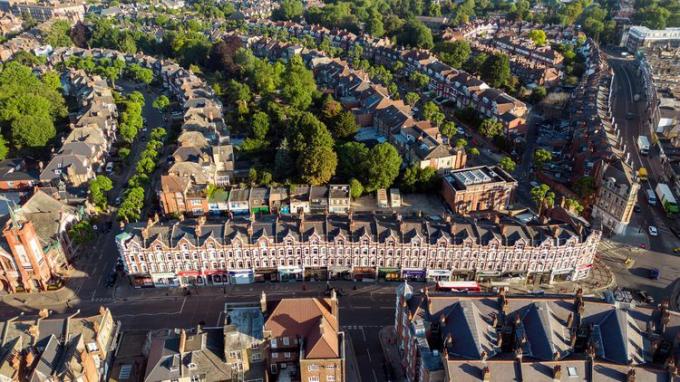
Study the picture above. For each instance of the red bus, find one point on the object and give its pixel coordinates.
(458, 286)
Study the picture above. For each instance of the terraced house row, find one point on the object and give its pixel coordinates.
(533, 338)
(392, 247)
(456, 85)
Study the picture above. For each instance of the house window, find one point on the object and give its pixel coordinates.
(274, 344)
(330, 378)
(286, 341)
(314, 379)
(313, 367)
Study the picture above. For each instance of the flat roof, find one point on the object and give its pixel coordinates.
(463, 178)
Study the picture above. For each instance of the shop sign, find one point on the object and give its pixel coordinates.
(439, 272)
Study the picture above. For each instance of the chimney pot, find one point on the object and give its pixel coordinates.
(182, 341)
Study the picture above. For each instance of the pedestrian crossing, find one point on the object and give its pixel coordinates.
(360, 327)
(101, 299)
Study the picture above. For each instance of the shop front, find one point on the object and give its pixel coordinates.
(190, 278)
(241, 276)
(340, 273)
(164, 280)
(582, 271)
(290, 273)
(216, 277)
(413, 274)
(561, 275)
(266, 274)
(462, 275)
(389, 274)
(438, 275)
(363, 273)
(488, 276)
(316, 273)
(142, 281)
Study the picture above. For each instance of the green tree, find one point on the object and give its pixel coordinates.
(4, 149)
(131, 207)
(412, 98)
(289, 10)
(161, 102)
(352, 157)
(430, 109)
(448, 129)
(98, 188)
(538, 36)
(585, 187)
(58, 34)
(415, 34)
(375, 26)
(461, 143)
(382, 167)
(454, 53)
(32, 131)
(298, 85)
(538, 94)
(573, 205)
(491, 128)
(507, 164)
(421, 80)
(81, 232)
(355, 188)
(317, 164)
(345, 125)
(496, 70)
(260, 125)
(474, 152)
(541, 157)
(543, 197)
(330, 109)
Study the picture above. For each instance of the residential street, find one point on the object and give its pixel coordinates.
(633, 122)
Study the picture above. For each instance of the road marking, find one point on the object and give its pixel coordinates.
(368, 353)
(363, 333)
(361, 307)
(219, 319)
(156, 314)
(375, 377)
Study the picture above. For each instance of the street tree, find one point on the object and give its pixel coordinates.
(161, 103)
(317, 164)
(543, 197)
(491, 128)
(98, 188)
(412, 98)
(573, 205)
(507, 164)
(448, 129)
(541, 157)
(461, 143)
(496, 70)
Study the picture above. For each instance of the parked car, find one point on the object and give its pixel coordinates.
(653, 231)
(109, 167)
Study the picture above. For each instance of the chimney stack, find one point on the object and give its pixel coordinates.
(335, 310)
(263, 303)
(486, 374)
(570, 320)
(557, 373)
(44, 313)
(182, 341)
(630, 377)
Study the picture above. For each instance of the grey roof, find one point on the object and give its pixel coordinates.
(470, 332)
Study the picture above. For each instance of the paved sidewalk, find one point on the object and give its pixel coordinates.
(388, 341)
(600, 279)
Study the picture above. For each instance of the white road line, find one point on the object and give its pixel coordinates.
(368, 353)
(219, 319)
(156, 314)
(363, 333)
(362, 307)
(375, 377)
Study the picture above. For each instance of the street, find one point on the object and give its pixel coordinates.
(632, 120)
(91, 268)
(362, 312)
